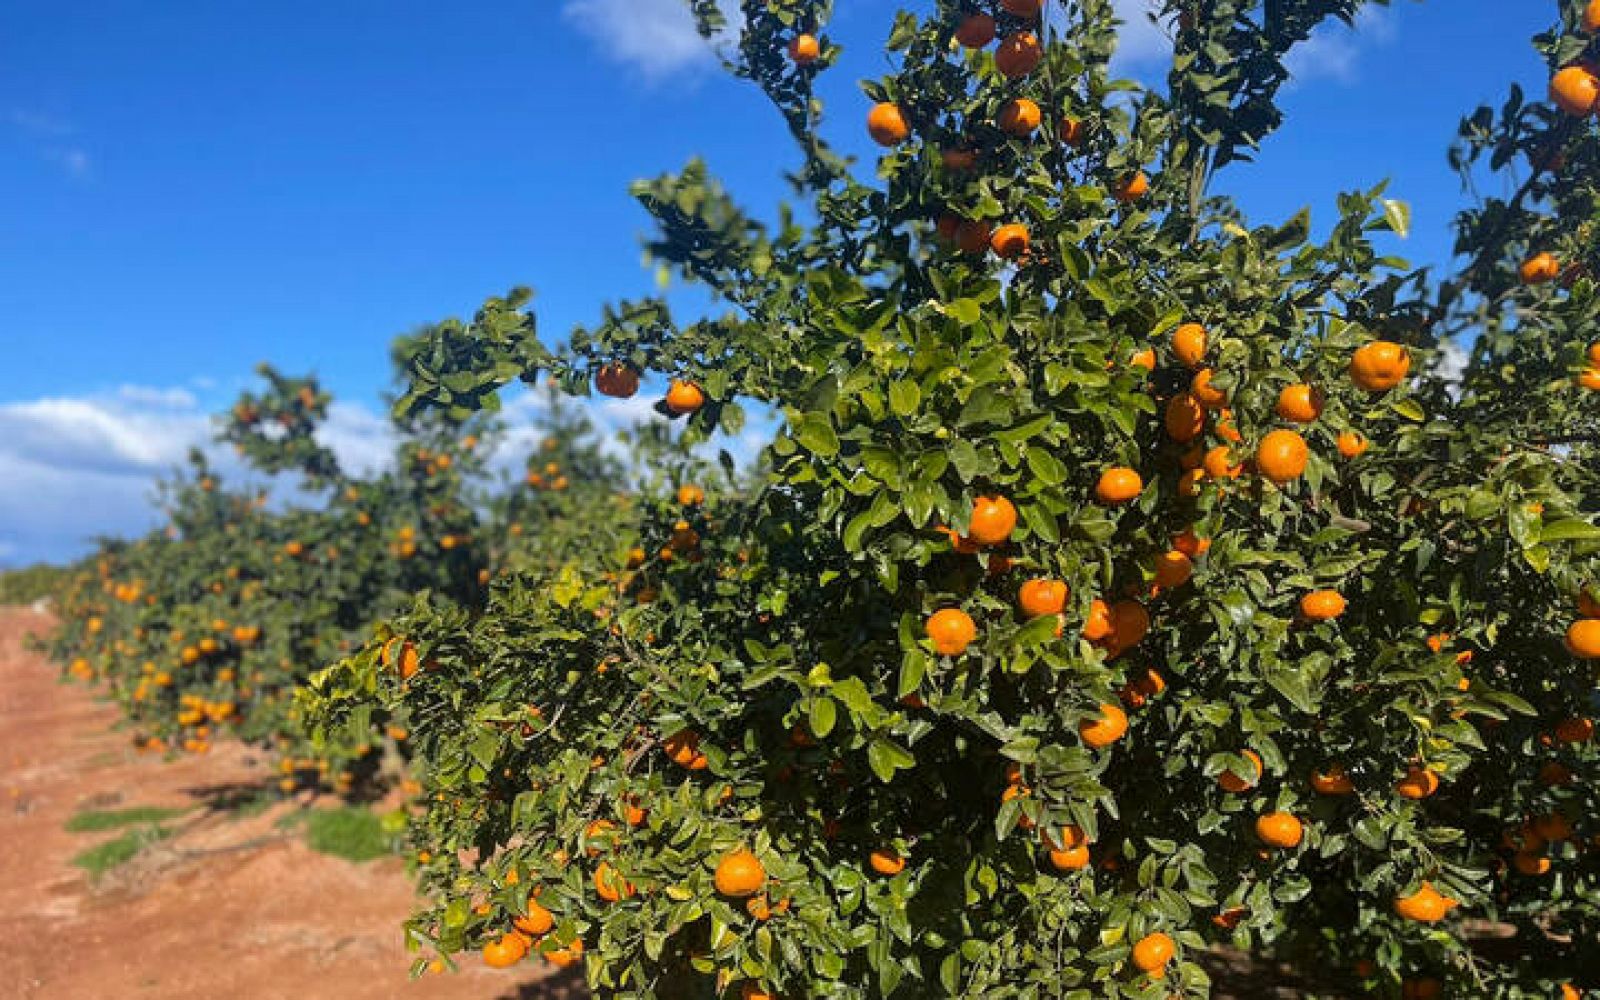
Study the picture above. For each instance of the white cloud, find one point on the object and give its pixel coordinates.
(656, 37)
(1334, 48)
(47, 134)
(361, 439)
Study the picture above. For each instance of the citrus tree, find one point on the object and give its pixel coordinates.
(1126, 578)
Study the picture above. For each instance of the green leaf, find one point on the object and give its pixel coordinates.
(815, 432)
(904, 397)
(824, 713)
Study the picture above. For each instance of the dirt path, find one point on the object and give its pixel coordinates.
(229, 907)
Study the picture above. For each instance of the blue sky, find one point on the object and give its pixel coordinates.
(189, 188)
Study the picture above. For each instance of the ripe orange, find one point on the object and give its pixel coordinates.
(1152, 954)
(1235, 783)
(563, 958)
(505, 951)
(1129, 624)
(1219, 463)
(1070, 131)
(952, 631)
(1539, 269)
(993, 520)
(1104, 730)
(1145, 359)
(804, 50)
(1419, 783)
(1189, 344)
(1583, 638)
(1300, 403)
(1322, 605)
(1185, 418)
(1426, 988)
(957, 160)
(1209, 396)
(1191, 544)
(1282, 456)
(1069, 859)
(1575, 730)
(1575, 90)
(1010, 241)
(886, 123)
(976, 31)
(1018, 54)
(1098, 625)
(1279, 829)
(740, 874)
(1352, 444)
(683, 748)
(609, 884)
(1173, 569)
(1332, 780)
(1591, 24)
(1588, 607)
(1568, 991)
(684, 397)
(886, 861)
(1118, 486)
(753, 990)
(1020, 117)
(1131, 188)
(1379, 366)
(537, 922)
(1530, 863)
(1427, 905)
(1589, 378)
(1042, 597)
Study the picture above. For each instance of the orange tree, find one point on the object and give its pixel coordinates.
(1125, 579)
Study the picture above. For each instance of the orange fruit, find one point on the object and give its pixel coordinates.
(1173, 569)
(1379, 366)
(1322, 605)
(1426, 988)
(1020, 117)
(609, 884)
(740, 874)
(1145, 359)
(1300, 403)
(1583, 638)
(1019, 53)
(1553, 827)
(1589, 378)
(1104, 730)
(684, 397)
(1189, 344)
(1591, 24)
(1068, 859)
(1118, 486)
(1152, 954)
(1191, 544)
(1282, 456)
(1279, 829)
(886, 861)
(691, 496)
(1568, 991)
(959, 161)
(1427, 905)
(683, 747)
(976, 31)
(1098, 625)
(1530, 863)
(952, 631)
(1231, 782)
(1575, 90)
(1575, 730)
(1539, 269)
(1588, 607)
(567, 957)
(1419, 783)
(1352, 444)
(1129, 624)
(804, 50)
(993, 520)
(1185, 418)
(1131, 188)
(537, 922)
(886, 123)
(1010, 241)
(1209, 396)
(1219, 463)
(505, 951)
(1042, 597)
(753, 990)
(1070, 131)
(1332, 780)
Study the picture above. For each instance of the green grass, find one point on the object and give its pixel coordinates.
(102, 858)
(98, 820)
(351, 833)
